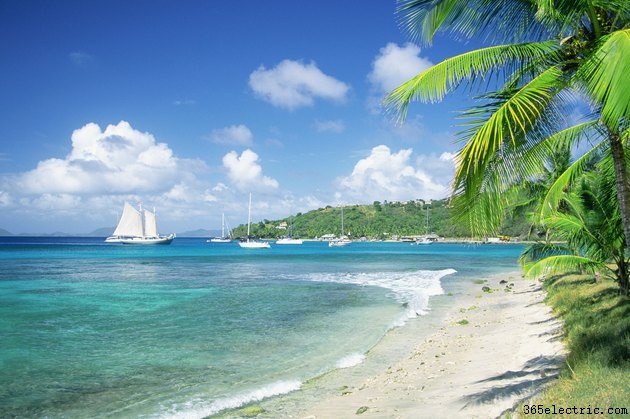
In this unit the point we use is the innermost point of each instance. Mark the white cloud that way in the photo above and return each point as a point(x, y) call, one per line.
point(56, 202)
point(292, 84)
point(185, 102)
point(81, 59)
point(86, 189)
point(232, 135)
point(5, 199)
point(119, 159)
point(181, 192)
point(245, 172)
point(384, 175)
point(336, 126)
point(395, 65)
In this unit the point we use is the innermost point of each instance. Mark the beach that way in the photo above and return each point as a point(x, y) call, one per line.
point(494, 348)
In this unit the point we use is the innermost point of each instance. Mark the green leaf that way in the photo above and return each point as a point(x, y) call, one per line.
point(562, 264)
point(434, 83)
point(606, 74)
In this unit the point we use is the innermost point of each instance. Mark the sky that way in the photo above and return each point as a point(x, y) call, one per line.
point(188, 106)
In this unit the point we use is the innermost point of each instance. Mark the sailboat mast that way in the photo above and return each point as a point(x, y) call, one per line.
point(290, 226)
point(143, 220)
point(342, 220)
point(249, 214)
point(222, 225)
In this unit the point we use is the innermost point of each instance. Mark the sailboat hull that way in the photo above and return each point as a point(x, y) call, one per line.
point(219, 240)
point(288, 240)
point(343, 241)
point(254, 245)
point(148, 241)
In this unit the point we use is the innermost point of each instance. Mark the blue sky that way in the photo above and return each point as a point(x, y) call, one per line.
point(187, 106)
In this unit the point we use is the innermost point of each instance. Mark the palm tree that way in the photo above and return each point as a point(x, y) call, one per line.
point(589, 228)
point(529, 195)
point(549, 51)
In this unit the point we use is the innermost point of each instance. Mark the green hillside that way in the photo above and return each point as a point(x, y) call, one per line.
point(378, 221)
point(381, 221)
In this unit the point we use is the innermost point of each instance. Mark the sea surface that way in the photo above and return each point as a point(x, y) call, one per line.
point(89, 329)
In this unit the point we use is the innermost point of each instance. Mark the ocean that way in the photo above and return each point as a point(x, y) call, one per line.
point(194, 329)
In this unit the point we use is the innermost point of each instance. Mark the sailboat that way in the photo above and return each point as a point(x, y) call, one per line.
point(343, 240)
point(250, 243)
point(223, 238)
point(289, 239)
point(138, 226)
point(425, 239)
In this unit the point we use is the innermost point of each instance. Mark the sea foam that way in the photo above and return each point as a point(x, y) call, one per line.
point(350, 361)
point(411, 288)
point(195, 409)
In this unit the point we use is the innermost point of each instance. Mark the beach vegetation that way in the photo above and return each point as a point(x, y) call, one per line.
point(362, 410)
point(251, 411)
point(344, 390)
point(596, 332)
point(463, 322)
point(544, 61)
point(586, 222)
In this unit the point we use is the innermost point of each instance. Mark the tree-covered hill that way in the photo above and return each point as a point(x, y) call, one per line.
point(377, 221)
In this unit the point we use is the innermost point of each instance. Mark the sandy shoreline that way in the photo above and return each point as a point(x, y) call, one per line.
point(491, 350)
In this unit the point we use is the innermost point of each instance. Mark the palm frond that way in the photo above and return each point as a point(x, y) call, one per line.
point(557, 190)
point(569, 227)
point(513, 118)
point(540, 250)
point(498, 20)
point(423, 18)
point(434, 83)
point(484, 213)
point(532, 146)
point(606, 76)
point(490, 164)
point(561, 264)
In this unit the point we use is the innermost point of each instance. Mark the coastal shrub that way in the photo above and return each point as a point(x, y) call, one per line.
point(362, 410)
point(344, 390)
point(251, 411)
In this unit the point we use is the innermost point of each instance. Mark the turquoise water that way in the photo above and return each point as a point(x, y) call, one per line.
point(90, 329)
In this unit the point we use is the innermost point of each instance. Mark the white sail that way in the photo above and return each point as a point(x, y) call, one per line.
point(150, 224)
point(138, 227)
point(130, 223)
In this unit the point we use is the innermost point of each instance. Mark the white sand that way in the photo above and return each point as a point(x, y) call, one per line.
point(507, 352)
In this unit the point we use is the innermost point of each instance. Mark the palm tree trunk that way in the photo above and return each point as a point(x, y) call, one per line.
point(622, 274)
point(623, 181)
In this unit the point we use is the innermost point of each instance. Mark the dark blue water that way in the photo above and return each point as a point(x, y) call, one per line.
point(90, 329)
